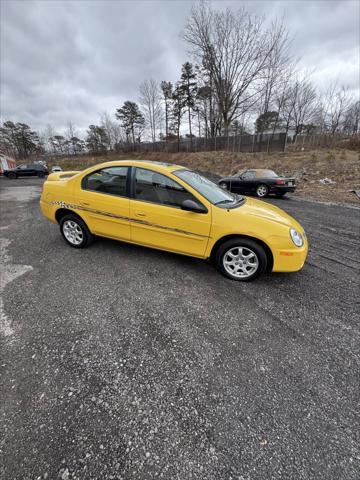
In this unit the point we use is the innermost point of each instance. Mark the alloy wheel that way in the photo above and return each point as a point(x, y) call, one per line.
point(262, 191)
point(73, 232)
point(240, 262)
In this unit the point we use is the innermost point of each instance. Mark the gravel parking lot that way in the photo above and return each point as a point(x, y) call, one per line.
point(121, 362)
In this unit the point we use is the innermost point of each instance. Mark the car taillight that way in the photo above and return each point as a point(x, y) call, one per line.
point(280, 182)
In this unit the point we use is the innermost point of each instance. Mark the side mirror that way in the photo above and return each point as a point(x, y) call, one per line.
point(191, 206)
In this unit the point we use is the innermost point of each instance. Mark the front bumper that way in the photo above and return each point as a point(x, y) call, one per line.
point(290, 259)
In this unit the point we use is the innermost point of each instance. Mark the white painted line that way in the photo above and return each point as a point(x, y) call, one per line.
point(9, 272)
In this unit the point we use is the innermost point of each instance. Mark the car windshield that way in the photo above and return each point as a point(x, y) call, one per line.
point(212, 192)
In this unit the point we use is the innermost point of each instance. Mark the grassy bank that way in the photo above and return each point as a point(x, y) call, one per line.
point(309, 167)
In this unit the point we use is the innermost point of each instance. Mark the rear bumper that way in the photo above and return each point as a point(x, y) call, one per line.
point(48, 211)
point(282, 189)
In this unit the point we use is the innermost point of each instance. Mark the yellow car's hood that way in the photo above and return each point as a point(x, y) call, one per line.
point(261, 209)
point(258, 208)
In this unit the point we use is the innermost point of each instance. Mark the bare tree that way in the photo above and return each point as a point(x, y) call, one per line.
point(299, 105)
point(48, 135)
point(336, 103)
point(282, 95)
point(207, 104)
point(150, 101)
point(234, 48)
point(113, 131)
point(276, 67)
point(72, 139)
point(351, 120)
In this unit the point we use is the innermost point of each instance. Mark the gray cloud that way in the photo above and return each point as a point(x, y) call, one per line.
point(68, 60)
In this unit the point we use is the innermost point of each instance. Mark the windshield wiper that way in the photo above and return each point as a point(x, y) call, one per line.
point(224, 201)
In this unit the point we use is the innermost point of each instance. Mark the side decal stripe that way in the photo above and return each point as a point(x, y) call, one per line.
point(120, 217)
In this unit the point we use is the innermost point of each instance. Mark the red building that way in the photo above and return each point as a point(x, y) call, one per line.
point(6, 163)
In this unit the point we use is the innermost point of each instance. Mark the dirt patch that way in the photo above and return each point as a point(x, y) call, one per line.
point(341, 166)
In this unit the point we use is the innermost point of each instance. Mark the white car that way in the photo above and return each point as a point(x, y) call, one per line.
point(56, 168)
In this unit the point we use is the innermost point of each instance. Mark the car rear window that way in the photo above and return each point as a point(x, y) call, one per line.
point(265, 174)
point(111, 181)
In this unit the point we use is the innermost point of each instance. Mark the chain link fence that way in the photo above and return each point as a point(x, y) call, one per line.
point(235, 143)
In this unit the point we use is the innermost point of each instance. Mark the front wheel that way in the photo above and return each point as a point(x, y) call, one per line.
point(12, 175)
point(75, 232)
point(41, 174)
point(262, 191)
point(241, 259)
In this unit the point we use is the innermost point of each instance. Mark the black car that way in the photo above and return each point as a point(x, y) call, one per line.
point(259, 182)
point(30, 170)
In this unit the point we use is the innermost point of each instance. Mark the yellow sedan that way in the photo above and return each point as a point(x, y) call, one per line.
point(172, 208)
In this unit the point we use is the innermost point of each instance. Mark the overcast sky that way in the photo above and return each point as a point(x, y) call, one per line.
point(72, 60)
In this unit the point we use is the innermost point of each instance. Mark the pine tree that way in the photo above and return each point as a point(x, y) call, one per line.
point(131, 118)
point(178, 108)
point(167, 90)
point(189, 85)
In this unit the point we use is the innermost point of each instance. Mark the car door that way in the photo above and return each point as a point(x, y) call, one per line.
point(247, 181)
point(21, 170)
point(235, 184)
point(31, 170)
point(157, 219)
point(102, 198)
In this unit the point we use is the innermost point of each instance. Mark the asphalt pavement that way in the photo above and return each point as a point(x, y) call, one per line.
point(121, 362)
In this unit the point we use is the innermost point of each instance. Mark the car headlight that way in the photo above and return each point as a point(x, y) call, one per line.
point(296, 237)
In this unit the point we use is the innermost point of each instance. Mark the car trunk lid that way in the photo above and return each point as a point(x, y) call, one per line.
point(61, 175)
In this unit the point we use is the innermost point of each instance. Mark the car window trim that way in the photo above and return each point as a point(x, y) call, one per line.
point(105, 193)
point(133, 184)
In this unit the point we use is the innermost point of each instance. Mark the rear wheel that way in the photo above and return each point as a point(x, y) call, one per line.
point(75, 232)
point(280, 194)
point(262, 190)
point(241, 259)
point(223, 185)
point(41, 174)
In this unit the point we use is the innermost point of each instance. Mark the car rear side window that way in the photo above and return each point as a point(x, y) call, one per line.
point(154, 187)
point(111, 181)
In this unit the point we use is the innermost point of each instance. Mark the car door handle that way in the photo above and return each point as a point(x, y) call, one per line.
point(85, 204)
point(140, 214)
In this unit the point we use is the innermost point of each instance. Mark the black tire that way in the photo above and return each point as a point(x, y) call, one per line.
point(247, 245)
point(41, 174)
point(12, 175)
point(87, 236)
point(280, 195)
point(262, 190)
point(223, 185)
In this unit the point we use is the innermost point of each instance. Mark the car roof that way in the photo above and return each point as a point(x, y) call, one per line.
point(153, 165)
point(259, 171)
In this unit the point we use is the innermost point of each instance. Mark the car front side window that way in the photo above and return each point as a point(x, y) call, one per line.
point(248, 175)
point(111, 181)
point(154, 187)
